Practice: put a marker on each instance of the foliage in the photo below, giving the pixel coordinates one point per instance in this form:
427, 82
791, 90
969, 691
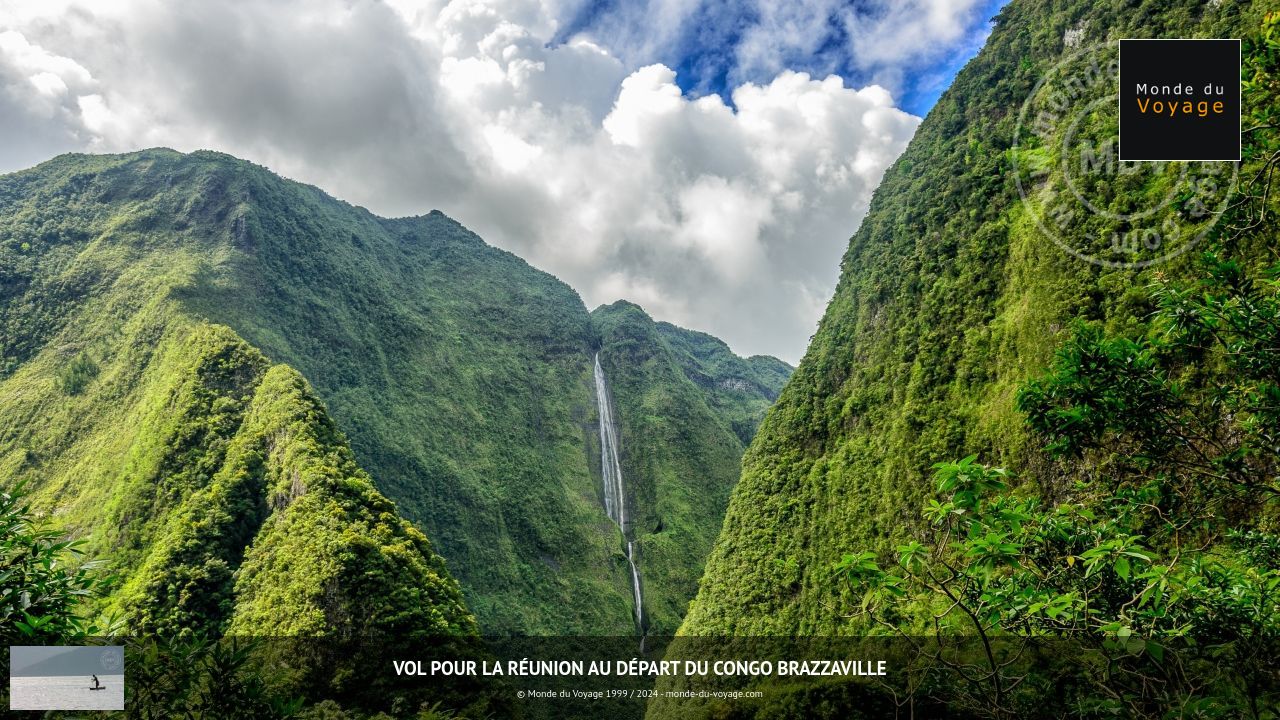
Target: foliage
1173, 622
77, 374
1161, 560
287, 536
949, 298
44, 599
196, 678
738, 389
43, 579
1209, 445
334, 557
1260, 145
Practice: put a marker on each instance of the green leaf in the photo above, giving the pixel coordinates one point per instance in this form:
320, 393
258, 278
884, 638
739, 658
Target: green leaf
1155, 650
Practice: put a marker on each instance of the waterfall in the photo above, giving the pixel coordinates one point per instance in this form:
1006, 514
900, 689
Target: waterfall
615, 497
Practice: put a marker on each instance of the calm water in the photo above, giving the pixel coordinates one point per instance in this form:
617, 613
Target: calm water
65, 693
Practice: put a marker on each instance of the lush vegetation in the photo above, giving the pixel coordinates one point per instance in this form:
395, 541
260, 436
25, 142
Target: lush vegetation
290, 538
950, 298
195, 678
222, 454
217, 488
1129, 567
43, 580
48, 594
141, 296
738, 389
683, 402
1162, 561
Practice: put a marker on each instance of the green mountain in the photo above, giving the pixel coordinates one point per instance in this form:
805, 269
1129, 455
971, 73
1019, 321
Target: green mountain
684, 402
950, 298
739, 390
206, 370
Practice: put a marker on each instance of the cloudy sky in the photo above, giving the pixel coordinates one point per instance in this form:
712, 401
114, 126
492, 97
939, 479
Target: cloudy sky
707, 159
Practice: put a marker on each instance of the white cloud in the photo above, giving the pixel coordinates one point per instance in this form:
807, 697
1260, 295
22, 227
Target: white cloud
906, 34
899, 30
40, 93
726, 219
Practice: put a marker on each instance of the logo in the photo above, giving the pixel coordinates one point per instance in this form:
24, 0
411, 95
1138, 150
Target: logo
1180, 100
1078, 191
112, 658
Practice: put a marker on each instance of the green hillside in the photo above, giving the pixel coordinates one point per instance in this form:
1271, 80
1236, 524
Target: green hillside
950, 299
738, 389
146, 302
195, 463
682, 398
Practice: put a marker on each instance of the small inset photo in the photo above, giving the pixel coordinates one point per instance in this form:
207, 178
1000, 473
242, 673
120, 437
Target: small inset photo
66, 678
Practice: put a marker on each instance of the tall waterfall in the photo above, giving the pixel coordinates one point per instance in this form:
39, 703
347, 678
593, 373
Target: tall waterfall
615, 497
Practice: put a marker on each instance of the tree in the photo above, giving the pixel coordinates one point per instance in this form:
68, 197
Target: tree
43, 579
1018, 591
1154, 565
1142, 579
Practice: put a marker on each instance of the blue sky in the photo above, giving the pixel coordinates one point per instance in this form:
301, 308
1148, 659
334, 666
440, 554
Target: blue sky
705, 49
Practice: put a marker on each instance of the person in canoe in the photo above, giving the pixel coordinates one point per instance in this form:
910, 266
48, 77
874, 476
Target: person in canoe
97, 685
